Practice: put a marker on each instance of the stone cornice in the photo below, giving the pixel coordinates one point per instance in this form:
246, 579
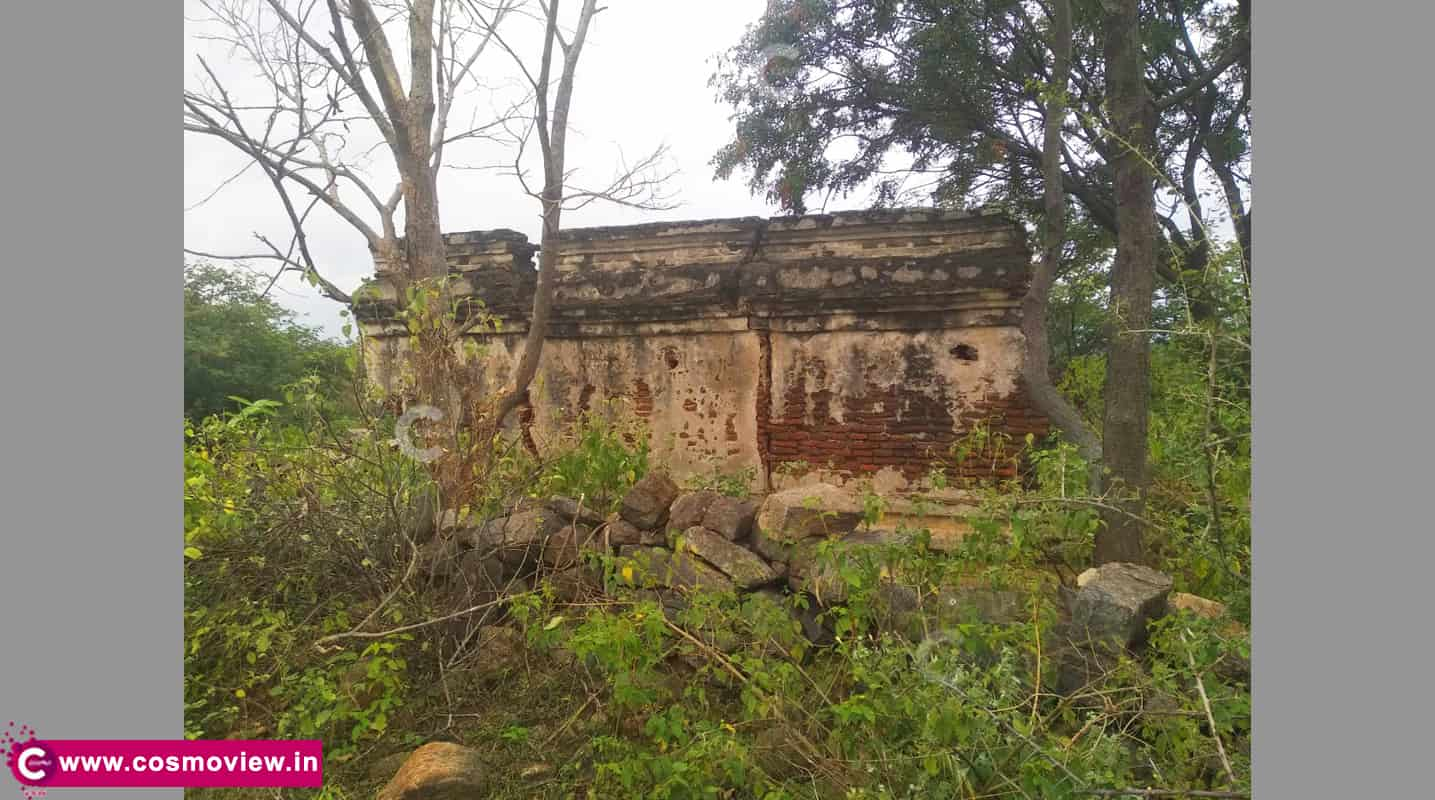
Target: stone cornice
901, 269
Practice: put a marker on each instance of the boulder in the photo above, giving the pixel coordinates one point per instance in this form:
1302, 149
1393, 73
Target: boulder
689, 508
517, 538
482, 572
805, 574
745, 569
658, 567
438, 771
439, 557
1200, 606
1117, 601
566, 547
646, 504
730, 517
519, 530
801, 512
499, 650
572, 512
777, 552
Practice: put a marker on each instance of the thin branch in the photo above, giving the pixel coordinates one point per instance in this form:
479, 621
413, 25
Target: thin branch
1232, 54
319, 643
1206, 704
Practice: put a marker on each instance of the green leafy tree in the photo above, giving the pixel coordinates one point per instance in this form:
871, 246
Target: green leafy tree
240, 343
935, 101
1116, 106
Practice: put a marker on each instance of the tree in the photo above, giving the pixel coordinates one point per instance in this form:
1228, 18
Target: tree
1133, 275
347, 78
1036, 375
239, 343
938, 101
960, 104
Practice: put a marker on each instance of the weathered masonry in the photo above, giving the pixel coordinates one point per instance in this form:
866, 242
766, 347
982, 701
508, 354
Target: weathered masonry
861, 343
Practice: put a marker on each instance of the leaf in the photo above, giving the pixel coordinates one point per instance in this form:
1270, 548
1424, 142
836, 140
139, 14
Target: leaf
193, 552
553, 623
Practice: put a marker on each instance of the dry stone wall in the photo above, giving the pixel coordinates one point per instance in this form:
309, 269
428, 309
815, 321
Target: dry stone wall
858, 343
666, 544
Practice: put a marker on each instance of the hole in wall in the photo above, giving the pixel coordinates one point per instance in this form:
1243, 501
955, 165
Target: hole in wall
964, 352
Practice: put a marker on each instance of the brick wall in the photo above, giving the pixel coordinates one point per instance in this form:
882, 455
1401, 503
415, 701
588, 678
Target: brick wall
861, 342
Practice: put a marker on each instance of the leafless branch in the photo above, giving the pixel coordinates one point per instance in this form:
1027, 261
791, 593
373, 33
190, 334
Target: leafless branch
640, 186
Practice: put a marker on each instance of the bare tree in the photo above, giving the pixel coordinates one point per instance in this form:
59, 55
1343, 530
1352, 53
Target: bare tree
362, 94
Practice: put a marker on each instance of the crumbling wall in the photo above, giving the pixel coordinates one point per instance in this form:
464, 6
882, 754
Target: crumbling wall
859, 343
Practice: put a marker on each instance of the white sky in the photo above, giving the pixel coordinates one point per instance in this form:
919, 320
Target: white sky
642, 82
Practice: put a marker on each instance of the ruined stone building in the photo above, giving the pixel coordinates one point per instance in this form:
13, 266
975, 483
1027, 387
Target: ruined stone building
861, 343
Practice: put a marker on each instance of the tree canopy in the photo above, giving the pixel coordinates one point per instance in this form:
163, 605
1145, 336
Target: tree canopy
932, 101
240, 343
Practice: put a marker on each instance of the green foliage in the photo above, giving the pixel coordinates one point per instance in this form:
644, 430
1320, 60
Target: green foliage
286, 525
1200, 457
717, 695
238, 343
602, 456
957, 709
737, 483
831, 97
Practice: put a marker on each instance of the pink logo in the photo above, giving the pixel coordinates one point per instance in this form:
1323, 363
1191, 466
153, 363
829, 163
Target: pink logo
30, 760
157, 763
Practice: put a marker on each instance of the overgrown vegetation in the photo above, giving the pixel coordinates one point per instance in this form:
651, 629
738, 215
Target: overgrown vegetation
302, 536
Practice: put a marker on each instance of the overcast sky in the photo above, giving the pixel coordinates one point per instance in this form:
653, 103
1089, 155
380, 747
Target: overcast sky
642, 82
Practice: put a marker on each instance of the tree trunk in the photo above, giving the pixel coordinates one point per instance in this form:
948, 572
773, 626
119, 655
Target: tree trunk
1128, 365
1036, 374
554, 145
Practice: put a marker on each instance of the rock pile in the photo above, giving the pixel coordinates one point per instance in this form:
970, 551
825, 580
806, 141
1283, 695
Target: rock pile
671, 542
